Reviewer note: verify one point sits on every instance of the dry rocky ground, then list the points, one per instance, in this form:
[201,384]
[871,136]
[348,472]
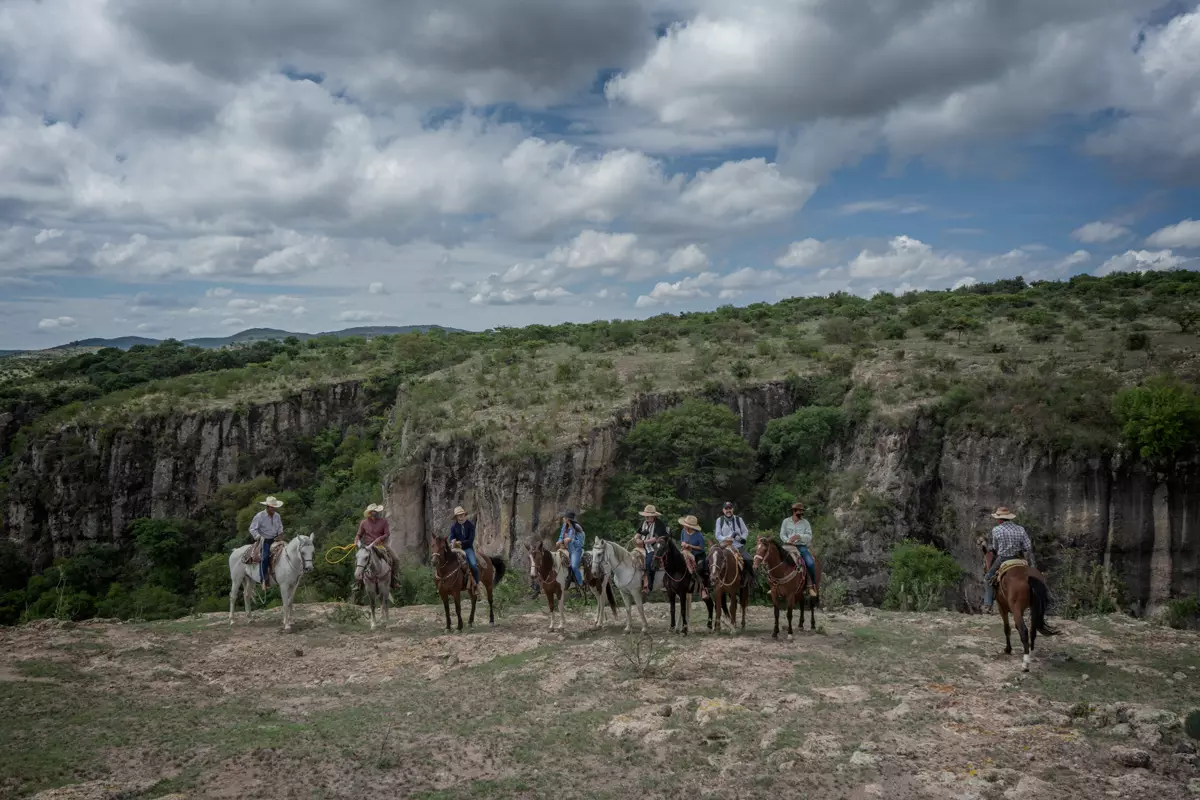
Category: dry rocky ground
[873,705]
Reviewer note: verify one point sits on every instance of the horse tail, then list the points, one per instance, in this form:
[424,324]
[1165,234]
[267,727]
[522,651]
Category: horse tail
[498,569]
[1039,604]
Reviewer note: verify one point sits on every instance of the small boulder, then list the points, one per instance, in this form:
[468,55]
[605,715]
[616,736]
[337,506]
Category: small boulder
[862,759]
[1030,788]
[1130,757]
[1122,729]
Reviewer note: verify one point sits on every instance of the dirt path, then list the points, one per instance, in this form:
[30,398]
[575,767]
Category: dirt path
[875,705]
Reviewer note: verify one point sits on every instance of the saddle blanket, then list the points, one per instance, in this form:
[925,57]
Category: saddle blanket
[1007,565]
[254,554]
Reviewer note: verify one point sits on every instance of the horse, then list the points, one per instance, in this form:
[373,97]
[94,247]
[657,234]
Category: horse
[1021,587]
[295,560]
[730,578]
[788,581]
[624,570]
[374,572]
[678,582]
[600,587]
[552,568]
[450,578]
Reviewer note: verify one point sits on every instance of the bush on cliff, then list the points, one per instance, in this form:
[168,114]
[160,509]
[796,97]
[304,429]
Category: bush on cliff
[1160,420]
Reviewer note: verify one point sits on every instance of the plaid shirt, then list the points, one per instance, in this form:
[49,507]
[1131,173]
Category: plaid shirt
[1009,539]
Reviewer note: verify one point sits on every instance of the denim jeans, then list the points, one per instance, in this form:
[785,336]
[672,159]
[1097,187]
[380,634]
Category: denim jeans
[265,575]
[576,557]
[989,593]
[470,554]
[650,567]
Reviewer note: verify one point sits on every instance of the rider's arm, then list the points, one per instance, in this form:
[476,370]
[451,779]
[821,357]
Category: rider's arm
[1029,552]
[783,531]
[255,533]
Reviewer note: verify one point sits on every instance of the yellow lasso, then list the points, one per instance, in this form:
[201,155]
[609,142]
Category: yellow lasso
[346,550]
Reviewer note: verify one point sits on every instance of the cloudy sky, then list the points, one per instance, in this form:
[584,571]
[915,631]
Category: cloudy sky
[196,167]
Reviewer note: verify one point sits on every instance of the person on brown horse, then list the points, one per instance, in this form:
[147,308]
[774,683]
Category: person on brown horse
[1008,540]
[462,540]
[374,531]
[796,535]
[695,551]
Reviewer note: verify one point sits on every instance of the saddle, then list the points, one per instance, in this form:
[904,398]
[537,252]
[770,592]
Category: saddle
[254,554]
[1006,566]
[737,558]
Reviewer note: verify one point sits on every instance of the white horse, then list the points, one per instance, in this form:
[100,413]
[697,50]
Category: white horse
[623,570]
[374,572]
[296,559]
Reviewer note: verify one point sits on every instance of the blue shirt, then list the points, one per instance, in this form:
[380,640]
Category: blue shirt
[696,539]
[463,532]
[576,534]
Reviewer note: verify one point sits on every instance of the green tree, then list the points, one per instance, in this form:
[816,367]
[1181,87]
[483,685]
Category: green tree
[798,442]
[1159,420]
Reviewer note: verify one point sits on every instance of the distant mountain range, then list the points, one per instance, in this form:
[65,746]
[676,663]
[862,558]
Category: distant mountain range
[245,337]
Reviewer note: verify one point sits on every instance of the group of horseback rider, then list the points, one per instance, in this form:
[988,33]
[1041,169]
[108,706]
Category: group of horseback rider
[1007,540]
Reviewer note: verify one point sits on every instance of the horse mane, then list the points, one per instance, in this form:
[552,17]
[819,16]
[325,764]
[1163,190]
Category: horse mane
[783,554]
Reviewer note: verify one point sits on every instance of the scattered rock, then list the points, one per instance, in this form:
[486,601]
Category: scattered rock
[299,653]
[713,708]
[1184,746]
[638,722]
[902,710]
[818,745]
[1122,729]
[1180,676]
[97,790]
[844,694]
[1030,788]
[1148,735]
[769,738]
[452,658]
[1194,786]
[658,737]
[861,759]
[784,766]
[665,711]
[1129,756]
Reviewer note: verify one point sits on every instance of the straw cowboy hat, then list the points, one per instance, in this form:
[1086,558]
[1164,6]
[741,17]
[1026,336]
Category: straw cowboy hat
[373,507]
[649,511]
[690,521]
[1003,513]
[271,502]
[797,506]
[459,510]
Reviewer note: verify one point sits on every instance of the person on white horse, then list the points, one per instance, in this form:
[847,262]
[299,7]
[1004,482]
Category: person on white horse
[731,528]
[374,531]
[265,529]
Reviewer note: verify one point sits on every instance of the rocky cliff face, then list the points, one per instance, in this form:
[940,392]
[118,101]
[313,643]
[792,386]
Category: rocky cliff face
[920,484]
[84,484]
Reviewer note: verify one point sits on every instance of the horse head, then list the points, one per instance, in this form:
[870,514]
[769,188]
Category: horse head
[761,548]
[438,546]
[362,559]
[535,548]
[308,550]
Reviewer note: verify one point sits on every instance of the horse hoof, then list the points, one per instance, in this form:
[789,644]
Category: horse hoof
[775,635]
[790,638]
[1025,663]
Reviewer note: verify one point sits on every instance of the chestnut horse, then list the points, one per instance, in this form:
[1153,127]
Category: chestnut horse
[730,580]
[552,568]
[450,577]
[788,581]
[678,582]
[1021,587]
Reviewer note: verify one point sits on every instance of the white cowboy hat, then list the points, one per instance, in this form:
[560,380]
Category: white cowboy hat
[373,507]
[1003,513]
[271,502]
[459,510]
[649,511]
[690,521]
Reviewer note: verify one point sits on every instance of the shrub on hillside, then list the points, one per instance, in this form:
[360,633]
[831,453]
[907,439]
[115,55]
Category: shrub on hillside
[837,330]
[799,441]
[1159,420]
[919,576]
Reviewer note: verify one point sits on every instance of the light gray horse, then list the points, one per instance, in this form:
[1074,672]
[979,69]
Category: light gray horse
[624,571]
[296,559]
[373,571]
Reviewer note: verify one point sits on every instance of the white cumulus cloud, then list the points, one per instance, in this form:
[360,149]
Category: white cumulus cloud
[55,323]
[1099,232]
[1140,261]
[1185,234]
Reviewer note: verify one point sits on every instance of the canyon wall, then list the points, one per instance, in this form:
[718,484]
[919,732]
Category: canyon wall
[86,483]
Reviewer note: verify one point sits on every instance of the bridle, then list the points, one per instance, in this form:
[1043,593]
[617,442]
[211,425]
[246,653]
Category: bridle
[758,559]
[664,545]
[305,563]
[437,560]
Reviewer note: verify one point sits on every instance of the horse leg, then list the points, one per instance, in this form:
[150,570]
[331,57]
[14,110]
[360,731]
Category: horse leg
[1007,629]
[791,602]
[446,606]
[671,597]
[458,609]
[719,601]
[1019,614]
[550,607]
[745,604]
[812,614]
[233,593]
[247,596]
[491,610]
[286,593]
[685,609]
[474,601]
[775,602]
[372,593]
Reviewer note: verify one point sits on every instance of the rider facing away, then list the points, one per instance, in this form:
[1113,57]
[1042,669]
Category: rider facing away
[796,534]
[374,530]
[265,528]
[731,528]
[463,532]
[692,542]
[1008,540]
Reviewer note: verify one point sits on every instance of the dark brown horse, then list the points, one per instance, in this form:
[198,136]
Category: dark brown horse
[787,580]
[730,579]
[599,587]
[452,578]
[678,582]
[552,569]
[1021,587]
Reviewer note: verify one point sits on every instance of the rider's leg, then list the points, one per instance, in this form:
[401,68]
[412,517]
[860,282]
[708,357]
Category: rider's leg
[811,567]
[266,562]
[989,592]
[649,570]
[472,563]
[576,558]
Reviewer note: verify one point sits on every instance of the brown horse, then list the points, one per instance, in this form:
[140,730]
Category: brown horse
[730,579]
[678,583]
[1021,587]
[452,578]
[552,568]
[787,580]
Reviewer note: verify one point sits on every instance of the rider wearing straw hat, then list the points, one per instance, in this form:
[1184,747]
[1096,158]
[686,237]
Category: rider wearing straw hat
[1008,540]
[694,547]
[374,531]
[266,527]
[652,528]
[463,532]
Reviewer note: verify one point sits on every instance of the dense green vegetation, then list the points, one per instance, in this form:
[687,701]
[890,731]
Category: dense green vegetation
[1087,365]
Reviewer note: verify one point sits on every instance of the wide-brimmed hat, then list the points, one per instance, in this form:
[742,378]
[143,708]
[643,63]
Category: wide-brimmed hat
[690,521]
[1003,513]
[373,507]
[797,506]
[271,502]
[649,511]
[568,514]
[459,510]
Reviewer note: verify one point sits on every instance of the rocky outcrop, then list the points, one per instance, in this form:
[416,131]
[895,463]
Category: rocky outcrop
[86,483]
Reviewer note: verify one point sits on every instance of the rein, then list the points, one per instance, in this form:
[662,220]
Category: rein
[437,561]
[781,563]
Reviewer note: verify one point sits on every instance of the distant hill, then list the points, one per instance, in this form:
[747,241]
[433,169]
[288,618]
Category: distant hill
[243,337]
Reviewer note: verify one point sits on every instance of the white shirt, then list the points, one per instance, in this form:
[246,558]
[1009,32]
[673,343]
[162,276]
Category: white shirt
[266,527]
[731,528]
[801,530]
